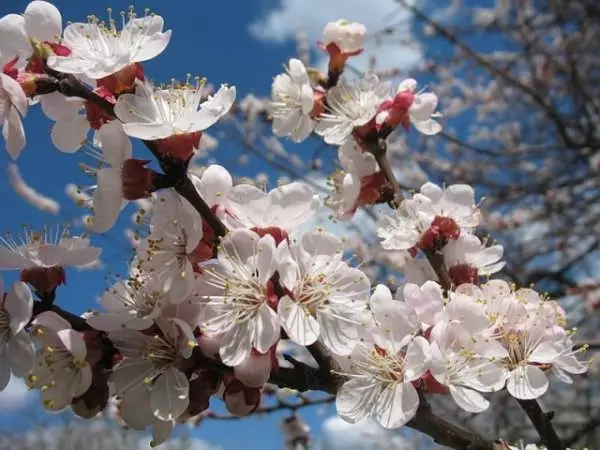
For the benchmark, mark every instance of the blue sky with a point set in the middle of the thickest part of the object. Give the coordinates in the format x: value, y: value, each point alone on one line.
x: 242, y: 43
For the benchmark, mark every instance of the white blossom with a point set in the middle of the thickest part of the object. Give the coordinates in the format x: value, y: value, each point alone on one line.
x: 235, y: 289
x: 45, y: 250
x: 167, y: 254
x: 98, y: 50
x: 326, y: 295
x: 286, y: 207
x: 292, y: 103
x: 348, y: 36
x: 453, y: 207
x: 16, y: 351
x: 152, y: 114
x: 61, y: 370
x: 350, y: 106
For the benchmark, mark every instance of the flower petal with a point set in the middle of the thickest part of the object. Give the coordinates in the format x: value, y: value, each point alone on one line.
x: 19, y: 305
x: 355, y: 399
x: 468, y: 399
x: 527, y: 382
x: 300, y: 326
x: 20, y: 354
x: 267, y: 330
x: 43, y: 21
x: 169, y: 397
x: 14, y: 134
x: 396, y: 405
x: 69, y: 135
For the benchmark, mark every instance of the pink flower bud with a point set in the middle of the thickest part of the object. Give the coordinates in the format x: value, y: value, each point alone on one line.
x: 241, y: 400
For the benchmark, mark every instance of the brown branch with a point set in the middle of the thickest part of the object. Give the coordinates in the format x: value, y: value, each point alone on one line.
x: 542, y: 424
x: 280, y: 406
x: 436, y: 260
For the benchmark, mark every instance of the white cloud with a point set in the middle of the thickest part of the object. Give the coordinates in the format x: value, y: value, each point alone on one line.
x: 281, y: 23
x: 341, y: 435
x: 16, y: 396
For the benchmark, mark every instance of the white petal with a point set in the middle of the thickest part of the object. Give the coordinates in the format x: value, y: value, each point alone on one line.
x: 69, y: 135
x: 153, y: 46
x: 339, y: 336
x: 428, y: 127
x: 255, y: 370
x: 19, y: 304
x: 82, y: 382
x: 527, y: 382
x: 546, y: 352
x: 108, y: 200
x: 74, y: 343
x: 409, y: 84
x: 20, y: 354
x: 215, y: 184
x: 300, y: 326
x: 417, y: 358
x: 15, y: 93
x: 169, y: 397
x: 134, y: 408
x: 52, y: 321
x: 397, y: 405
x: 11, y: 260
x: 291, y: 205
x: 236, y: 344
x: 148, y: 131
x: 14, y: 38
x: 43, y: 21
x: 14, y: 134
x: 355, y: 399
x: 468, y: 399
x: 116, y: 146
x: 267, y: 329
x: 57, y: 107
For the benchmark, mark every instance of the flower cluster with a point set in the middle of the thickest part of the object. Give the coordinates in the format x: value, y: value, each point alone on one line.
x: 226, y: 272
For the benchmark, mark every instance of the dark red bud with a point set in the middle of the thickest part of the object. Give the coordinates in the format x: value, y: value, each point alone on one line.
x: 279, y: 234
x: 463, y: 273
x: 44, y: 279
x: 123, y: 81
x: 136, y: 179
x: 179, y: 146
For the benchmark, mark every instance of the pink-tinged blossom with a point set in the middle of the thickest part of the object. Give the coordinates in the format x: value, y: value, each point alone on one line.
x: 16, y: 350
x: 286, y: 207
x: 350, y: 184
x: 326, y: 296
x: 235, y: 289
x: 350, y: 107
x: 408, y: 107
x: 431, y: 218
x: 526, y: 335
x: 133, y: 303
x: 344, y: 37
x: 61, y: 371
x: 168, y: 253
x: 457, y: 365
x: 380, y: 382
x: 13, y: 105
x: 99, y: 50
x: 292, y: 100
x: 150, y: 362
